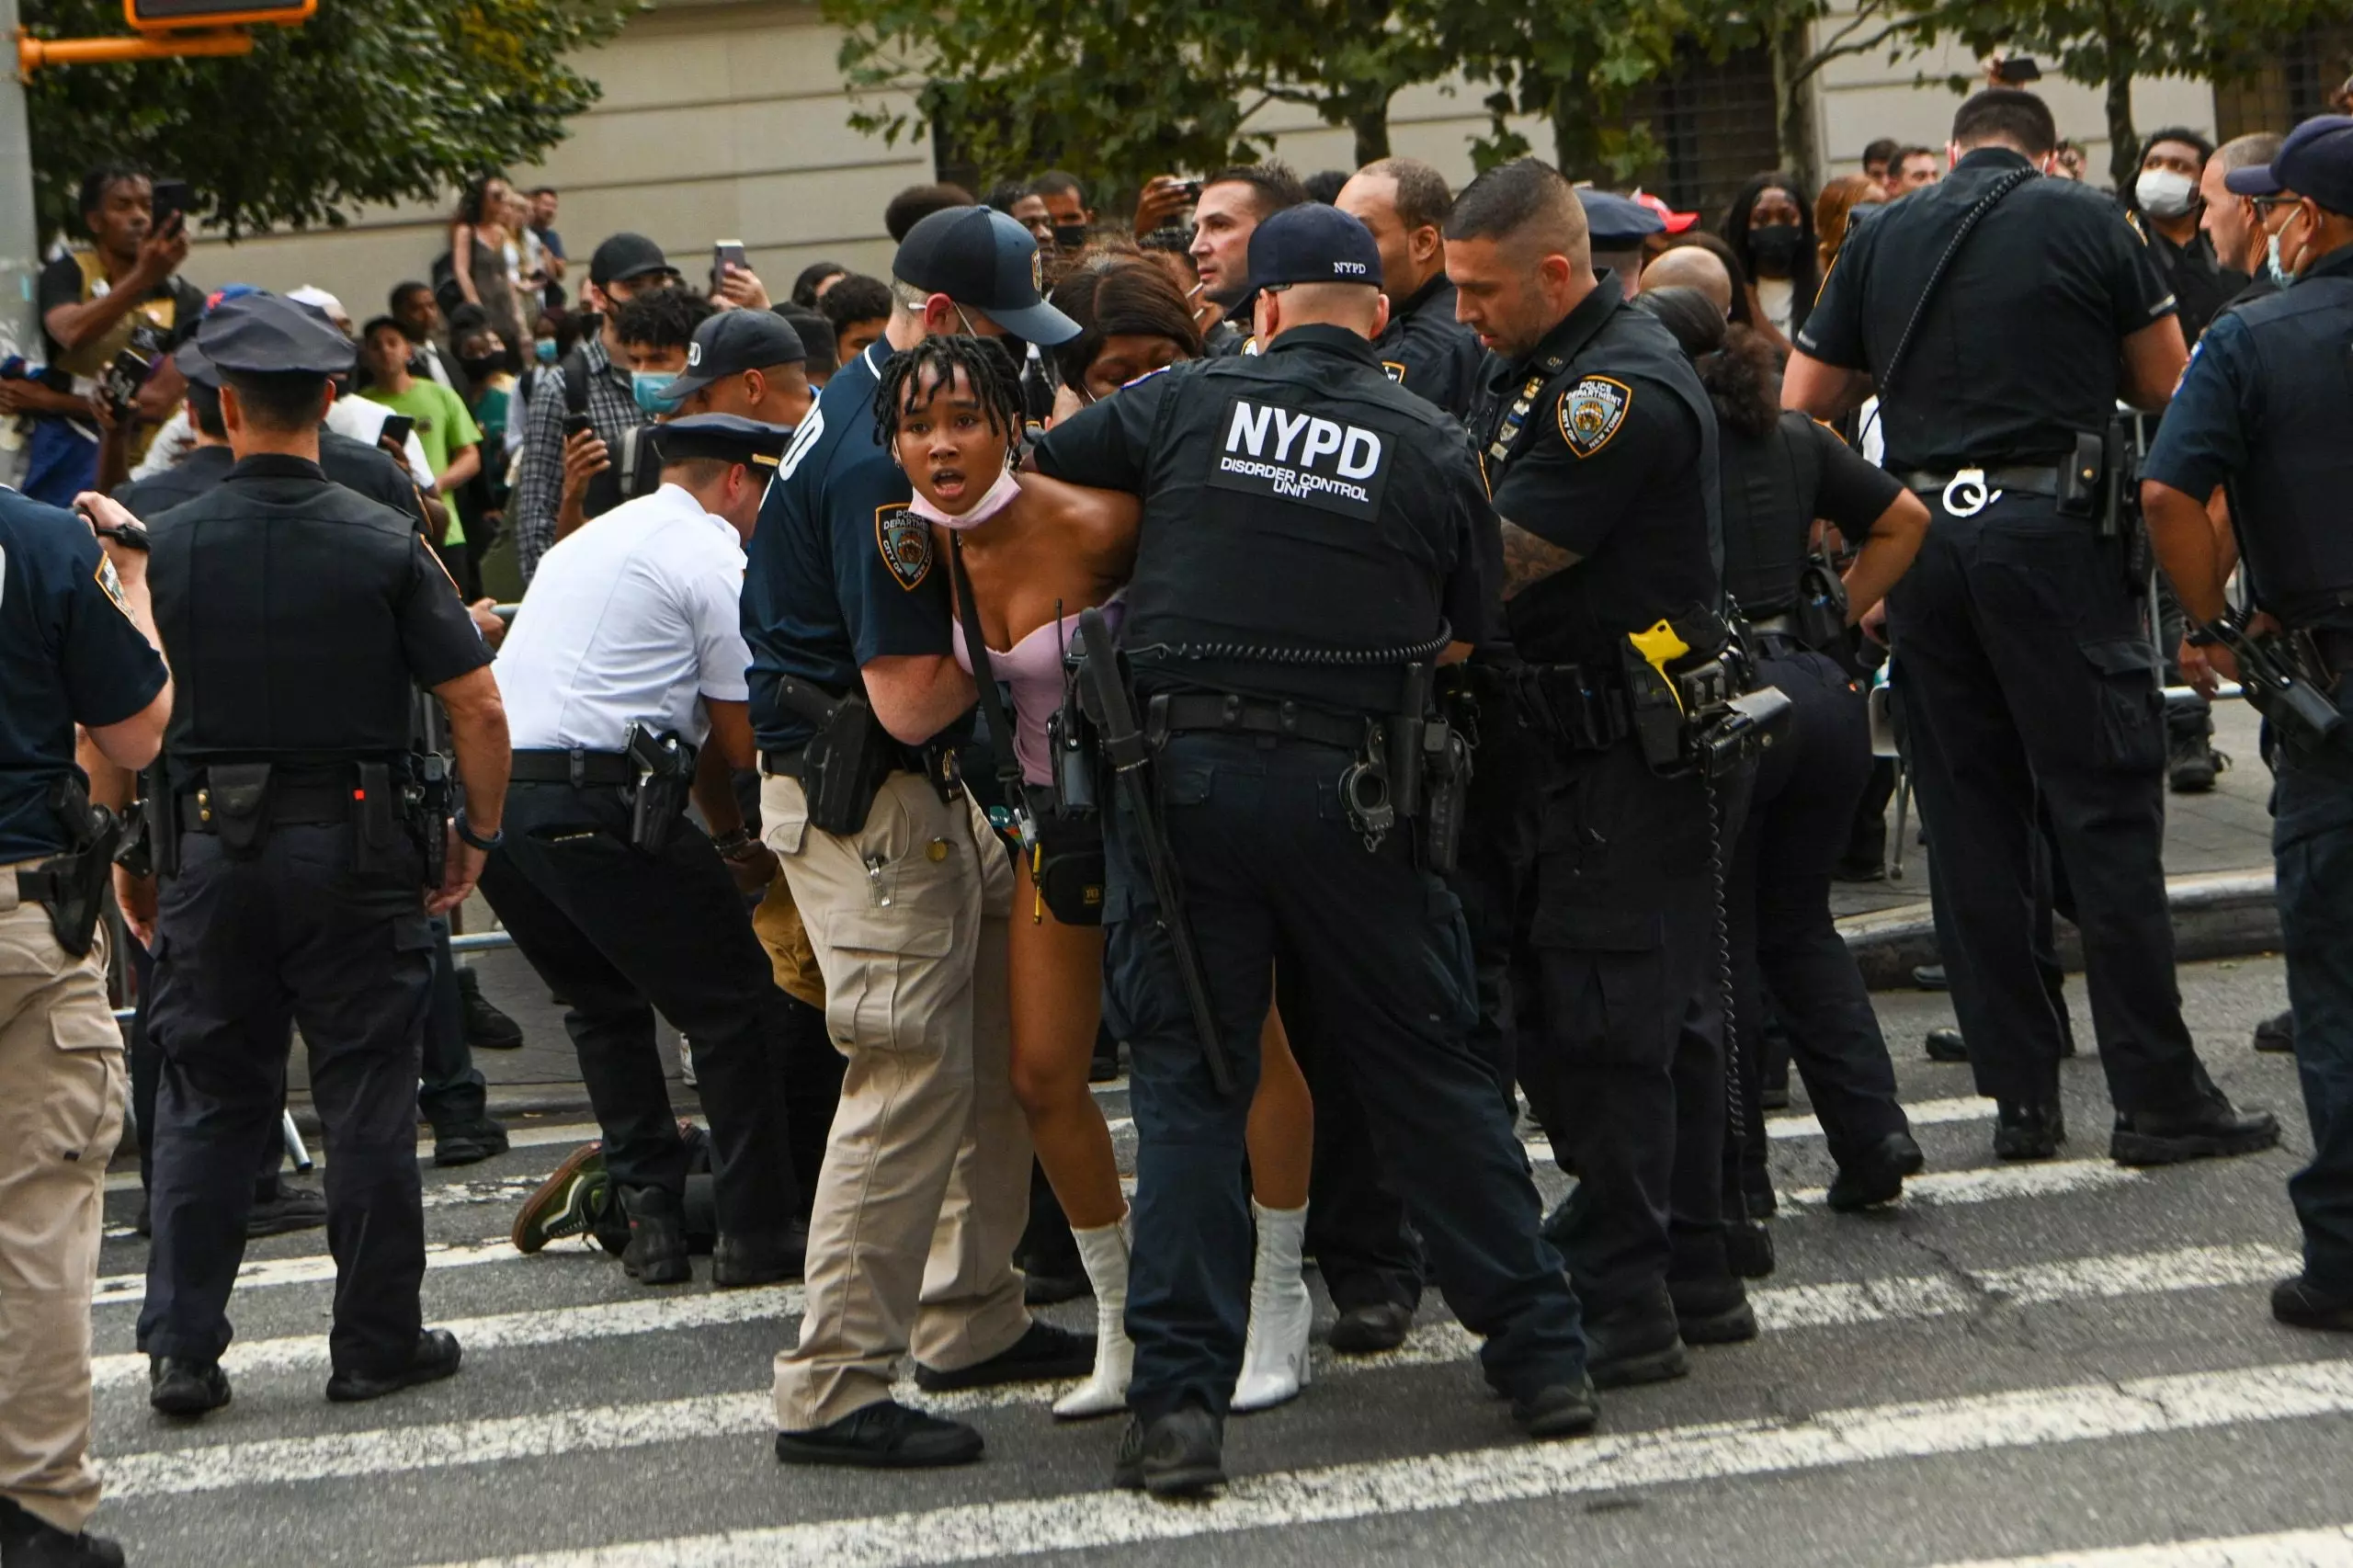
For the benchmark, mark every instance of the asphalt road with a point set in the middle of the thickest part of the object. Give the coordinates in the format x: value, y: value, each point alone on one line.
x: 2018, y: 1361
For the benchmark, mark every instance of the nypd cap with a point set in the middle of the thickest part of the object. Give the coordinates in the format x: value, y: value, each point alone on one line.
x: 1313, y: 244
x: 979, y: 257
x: 1618, y: 222
x: 721, y: 435
x: 2316, y: 160
x: 267, y: 334
x: 734, y: 342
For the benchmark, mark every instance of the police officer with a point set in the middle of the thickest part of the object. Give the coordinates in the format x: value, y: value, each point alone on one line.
x: 1310, y: 533
x: 855, y: 701
x: 1403, y: 202
x: 2001, y: 316
x: 623, y: 676
x: 294, y: 869
x: 1599, y: 448
x: 79, y: 644
x: 2264, y: 409
x: 748, y: 363
x: 1616, y: 227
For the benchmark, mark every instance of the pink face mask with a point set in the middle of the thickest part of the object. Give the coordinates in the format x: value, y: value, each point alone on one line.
x: 1000, y: 495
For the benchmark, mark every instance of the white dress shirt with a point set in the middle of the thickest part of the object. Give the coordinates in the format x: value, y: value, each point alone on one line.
x: 632, y: 619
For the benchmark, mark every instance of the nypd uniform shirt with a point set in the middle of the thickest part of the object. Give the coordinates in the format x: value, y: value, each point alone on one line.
x: 2016, y: 353
x: 839, y: 572
x: 1429, y: 353
x: 634, y: 618
x: 72, y: 657
x: 370, y: 471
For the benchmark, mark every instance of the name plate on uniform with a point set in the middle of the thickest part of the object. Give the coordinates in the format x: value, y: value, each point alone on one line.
x: 1282, y: 454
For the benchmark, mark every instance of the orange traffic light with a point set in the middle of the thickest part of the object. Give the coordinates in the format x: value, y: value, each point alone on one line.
x: 167, y: 16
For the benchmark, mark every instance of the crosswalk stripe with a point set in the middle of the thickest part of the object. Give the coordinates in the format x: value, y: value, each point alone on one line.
x: 1927, y: 1113
x: 130, y: 1289
x: 433, y: 1445
x: 2027, y: 1418
x: 519, y: 1136
x: 2329, y: 1548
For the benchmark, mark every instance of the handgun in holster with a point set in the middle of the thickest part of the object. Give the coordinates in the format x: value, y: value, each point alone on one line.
x: 160, y: 807
x: 82, y: 873
x: 665, y: 766
x: 426, y: 802
x: 2282, y: 674
x: 378, y: 818
x: 846, y: 761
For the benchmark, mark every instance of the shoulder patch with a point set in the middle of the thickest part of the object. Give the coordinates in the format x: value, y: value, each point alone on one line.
x: 1591, y: 412
x: 1396, y: 371
x: 110, y: 584
x: 904, y: 540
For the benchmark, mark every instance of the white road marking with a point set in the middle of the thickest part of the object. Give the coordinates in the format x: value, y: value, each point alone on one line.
x: 521, y: 1135
x: 130, y: 1290
x: 1927, y: 1113
x: 2027, y: 1418
x: 2331, y: 1548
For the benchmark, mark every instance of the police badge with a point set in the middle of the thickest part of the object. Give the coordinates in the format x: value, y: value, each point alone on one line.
x: 904, y: 540
x: 1591, y: 412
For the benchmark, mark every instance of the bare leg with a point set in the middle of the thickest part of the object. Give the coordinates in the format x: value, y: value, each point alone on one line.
x: 1057, y: 1002
x: 1281, y: 1133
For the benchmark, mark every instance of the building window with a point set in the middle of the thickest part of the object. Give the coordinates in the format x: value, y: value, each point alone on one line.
x: 1713, y: 121
x: 2296, y: 85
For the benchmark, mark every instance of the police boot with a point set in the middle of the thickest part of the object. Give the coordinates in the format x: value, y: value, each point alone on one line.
x: 1712, y: 1311
x: 2300, y: 1303
x: 1371, y: 1328
x: 1558, y: 1410
x: 1749, y: 1249
x: 435, y: 1355
x: 1105, y: 1251
x: 2210, y: 1128
x: 1876, y: 1175
x: 1274, y: 1355
x: 186, y: 1386
x: 469, y: 1141
x: 2276, y: 1033
x: 482, y: 1025
x: 2027, y: 1130
x: 767, y: 1257
x: 284, y: 1209
x: 656, y: 1254
x: 2191, y: 761
x: 1181, y: 1454
x: 29, y: 1541
x: 1636, y: 1342
x: 1946, y: 1044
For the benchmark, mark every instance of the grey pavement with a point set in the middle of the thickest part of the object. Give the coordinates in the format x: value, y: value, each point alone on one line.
x: 2015, y: 1361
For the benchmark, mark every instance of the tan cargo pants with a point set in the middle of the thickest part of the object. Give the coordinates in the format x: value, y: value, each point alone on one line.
x: 925, y: 1185
x: 62, y: 1090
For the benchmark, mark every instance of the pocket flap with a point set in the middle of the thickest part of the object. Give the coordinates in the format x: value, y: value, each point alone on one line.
x: 784, y: 814
x: 2121, y: 655
x: 884, y: 931
x: 413, y: 934
x: 85, y: 1028
x: 1599, y: 930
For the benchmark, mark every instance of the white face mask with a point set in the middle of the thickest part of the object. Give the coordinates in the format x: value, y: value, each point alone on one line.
x: 2164, y: 193
x: 995, y: 499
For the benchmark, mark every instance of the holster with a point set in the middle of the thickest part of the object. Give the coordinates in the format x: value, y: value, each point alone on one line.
x: 428, y: 801
x: 83, y: 874
x: 1820, y: 614
x: 376, y: 819
x: 843, y: 766
x: 160, y: 809
x: 1446, y: 793
x: 234, y: 799
x: 666, y: 776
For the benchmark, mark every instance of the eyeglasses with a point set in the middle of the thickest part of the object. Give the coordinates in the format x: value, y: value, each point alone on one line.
x: 2265, y: 204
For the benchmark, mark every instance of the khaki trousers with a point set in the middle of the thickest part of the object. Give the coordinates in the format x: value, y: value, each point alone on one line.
x: 62, y: 1090
x: 925, y: 1186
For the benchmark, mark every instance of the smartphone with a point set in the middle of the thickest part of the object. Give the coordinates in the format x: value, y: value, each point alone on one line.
x: 724, y: 254
x: 171, y: 203
x: 396, y: 429
x: 2017, y: 73
x: 1191, y: 190
x: 578, y: 424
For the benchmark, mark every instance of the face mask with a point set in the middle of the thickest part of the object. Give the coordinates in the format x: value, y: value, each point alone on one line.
x: 2162, y: 193
x: 543, y: 349
x: 481, y: 368
x: 651, y: 390
x: 2280, y: 276
x: 1002, y: 493
x: 1776, y: 247
x: 1070, y: 236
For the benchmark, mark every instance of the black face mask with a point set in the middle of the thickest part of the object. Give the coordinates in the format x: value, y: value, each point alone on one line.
x: 476, y: 370
x: 1070, y: 236
x: 1776, y: 247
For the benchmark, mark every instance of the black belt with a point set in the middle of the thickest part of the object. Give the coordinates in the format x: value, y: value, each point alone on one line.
x: 291, y: 805
x: 38, y: 887
x: 2023, y: 480
x: 577, y: 768
x: 1181, y: 713
x: 783, y: 764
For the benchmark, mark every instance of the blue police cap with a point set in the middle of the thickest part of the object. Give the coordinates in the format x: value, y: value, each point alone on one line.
x: 2316, y: 160
x: 978, y: 257
x: 1617, y: 222
x: 263, y: 334
x: 1313, y: 244
x: 724, y: 436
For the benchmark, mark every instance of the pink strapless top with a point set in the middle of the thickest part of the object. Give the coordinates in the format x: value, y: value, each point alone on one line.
x: 1033, y: 669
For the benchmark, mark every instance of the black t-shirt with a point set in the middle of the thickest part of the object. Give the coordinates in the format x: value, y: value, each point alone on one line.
x: 2201, y: 285
x: 72, y: 657
x: 2017, y: 352
x: 61, y: 283
x: 1775, y: 485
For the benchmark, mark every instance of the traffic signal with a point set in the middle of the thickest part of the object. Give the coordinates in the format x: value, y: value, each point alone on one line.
x: 167, y: 16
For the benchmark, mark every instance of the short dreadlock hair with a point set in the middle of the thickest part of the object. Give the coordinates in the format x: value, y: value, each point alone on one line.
x: 984, y: 367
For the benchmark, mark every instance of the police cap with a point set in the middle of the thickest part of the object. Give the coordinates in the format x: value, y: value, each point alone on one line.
x: 734, y: 342
x: 1618, y: 222
x: 1313, y: 244
x: 267, y: 334
x: 978, y: 257
x: 2316, y: 160
x: 721, y: 435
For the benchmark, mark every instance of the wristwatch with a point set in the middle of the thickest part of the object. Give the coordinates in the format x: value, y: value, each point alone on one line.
x: 2199, y: 636
x: 736, y: 847
x: 466, y: 835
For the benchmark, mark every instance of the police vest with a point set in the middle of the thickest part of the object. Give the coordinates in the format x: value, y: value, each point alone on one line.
x: 2291, y: 495
x: 1769, y: 485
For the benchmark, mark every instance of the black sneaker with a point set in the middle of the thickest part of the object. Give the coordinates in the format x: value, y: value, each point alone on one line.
x: 888, y: 1435
x: 1945, y: 1045
x: 469, y: 1142
x: 2300, y: 1303
x: 1930, y: 977
x: 2025, y: 1130
x: 185, y: 1386
x: 766, y: 1258
x: 1878, y: 1176
x: 656, y: 1254
x: 436, y: 1356
x: 1712, y: 1312
x: 2214, y: 1128
x: 1042, y: 1354
x: 1558, y: 1410
x: 291, y: 1209
x: 483, y: 1025
x: 1103, y: 1066
x: 1749, y: 1249
x: 1181, y: 1454
x: 1637, y: 1343
x: 29, y: 1542
x: 2193, y: 765
x: 1368, y: 1330
x: 2277, y: 1033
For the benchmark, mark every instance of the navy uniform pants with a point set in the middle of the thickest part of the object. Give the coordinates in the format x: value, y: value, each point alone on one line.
x: 2311, y: 846
x: 1272, y: 872
x: 241, y: 945
x: 1623, y: 1055
x: 2027, y: 671
x: 621, y: 934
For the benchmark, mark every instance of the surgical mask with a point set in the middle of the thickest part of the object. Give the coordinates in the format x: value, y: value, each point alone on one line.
x: 651, y: 390
x: 543, y: 349
x: 2281, y: 276
x: 1776, y: 247
x: 1002, y: 493
x: 2166, y: 193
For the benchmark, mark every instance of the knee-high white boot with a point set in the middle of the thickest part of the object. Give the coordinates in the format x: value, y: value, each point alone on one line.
x: 1274, y: 1357
x: 1104, y: 1251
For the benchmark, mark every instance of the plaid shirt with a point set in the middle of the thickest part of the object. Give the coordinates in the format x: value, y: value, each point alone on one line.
x: 539, y: 487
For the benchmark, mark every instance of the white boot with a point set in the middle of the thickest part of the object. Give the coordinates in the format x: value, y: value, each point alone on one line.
x: 1274, y: 1357
x: 1104, y: 1251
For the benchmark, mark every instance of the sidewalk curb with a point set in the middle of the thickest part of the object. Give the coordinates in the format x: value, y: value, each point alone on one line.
x: 2216, y: 915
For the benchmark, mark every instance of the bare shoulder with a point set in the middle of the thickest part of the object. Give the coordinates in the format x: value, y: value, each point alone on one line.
x: 1080, y: 506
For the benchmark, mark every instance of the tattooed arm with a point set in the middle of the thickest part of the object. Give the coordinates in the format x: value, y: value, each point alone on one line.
x: 1528, y: 560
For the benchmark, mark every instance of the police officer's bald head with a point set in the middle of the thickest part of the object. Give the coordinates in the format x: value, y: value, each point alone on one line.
x: 1519, y: 255
x: 1526, y: 207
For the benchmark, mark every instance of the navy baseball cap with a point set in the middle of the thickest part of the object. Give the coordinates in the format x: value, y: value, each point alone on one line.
x: 626, y: 256
x: 264, y: 334
x: 726, y: 436
x: 1617, y: 222
x: 2316, y: 160
x: 979, y: 256
x: 1313, y: 244
x: 734, y: 342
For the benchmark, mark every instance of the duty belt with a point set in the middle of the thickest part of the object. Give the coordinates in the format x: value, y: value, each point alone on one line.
x: 1174, y: 714
x: 40, y: 887
x: 1582, y: 708
x: 291, y: 804
x: 1969, y: 491
x: 579, y: 767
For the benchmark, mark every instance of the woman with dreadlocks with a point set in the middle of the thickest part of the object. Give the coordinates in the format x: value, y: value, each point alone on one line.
x: 1035, y: 552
